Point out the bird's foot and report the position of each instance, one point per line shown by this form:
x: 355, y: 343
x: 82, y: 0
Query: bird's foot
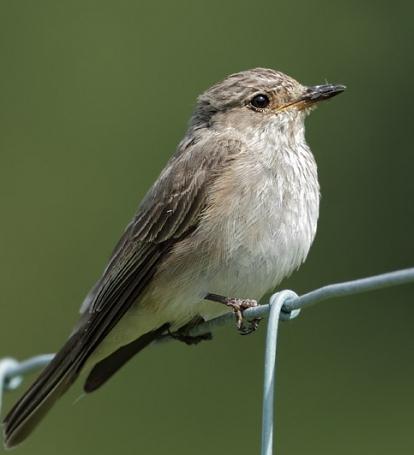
x: 238, y: 306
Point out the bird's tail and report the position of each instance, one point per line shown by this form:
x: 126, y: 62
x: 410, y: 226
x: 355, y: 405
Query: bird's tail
x: 54, y: 380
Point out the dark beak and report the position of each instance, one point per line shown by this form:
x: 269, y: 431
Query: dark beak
x: 321, y: 92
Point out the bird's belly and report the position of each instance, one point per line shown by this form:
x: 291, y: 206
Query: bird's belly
x: 253, y: 269
x: 260, y: 250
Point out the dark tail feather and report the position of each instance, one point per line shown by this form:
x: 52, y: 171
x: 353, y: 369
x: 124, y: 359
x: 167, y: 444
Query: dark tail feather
x: 59, y: 375
x: 54, y: 380
x: 107, y: 367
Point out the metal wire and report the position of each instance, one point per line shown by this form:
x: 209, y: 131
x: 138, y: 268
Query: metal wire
x: 284, y: 305
x: 276, y: 303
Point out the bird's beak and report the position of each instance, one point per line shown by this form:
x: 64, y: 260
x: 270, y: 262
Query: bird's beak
x: 320, y: 93
x: 314, y: 95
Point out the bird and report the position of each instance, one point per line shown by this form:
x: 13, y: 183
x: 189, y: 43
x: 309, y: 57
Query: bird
x: 233, y: 212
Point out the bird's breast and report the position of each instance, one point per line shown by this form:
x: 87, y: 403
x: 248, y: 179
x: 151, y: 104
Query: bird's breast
x: 261, y: 222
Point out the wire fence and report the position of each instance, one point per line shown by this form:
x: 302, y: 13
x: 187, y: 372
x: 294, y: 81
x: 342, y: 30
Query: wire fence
x: 283, y: 305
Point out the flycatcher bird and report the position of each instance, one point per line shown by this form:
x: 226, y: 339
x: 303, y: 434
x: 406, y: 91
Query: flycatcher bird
x: 233, y: 212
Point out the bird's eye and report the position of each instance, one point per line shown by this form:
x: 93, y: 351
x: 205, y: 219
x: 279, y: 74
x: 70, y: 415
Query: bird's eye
x: 260, y: 101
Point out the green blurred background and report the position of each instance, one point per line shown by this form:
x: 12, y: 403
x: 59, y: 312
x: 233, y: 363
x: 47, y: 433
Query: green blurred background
x: 94, y: 96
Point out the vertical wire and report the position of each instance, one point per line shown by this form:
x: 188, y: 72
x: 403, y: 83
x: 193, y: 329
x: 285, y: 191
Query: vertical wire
x: 268, y: 420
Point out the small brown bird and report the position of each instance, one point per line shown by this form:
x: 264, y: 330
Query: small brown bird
x: 233, y: 212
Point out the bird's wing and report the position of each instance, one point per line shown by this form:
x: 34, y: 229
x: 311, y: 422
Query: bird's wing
x: 168, y: 213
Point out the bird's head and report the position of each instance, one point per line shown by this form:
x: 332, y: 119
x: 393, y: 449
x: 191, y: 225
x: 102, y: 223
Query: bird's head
x: 253, y: 98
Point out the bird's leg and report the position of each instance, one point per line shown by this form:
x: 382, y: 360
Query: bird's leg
x: 182, y: 334
x: 238, y: 306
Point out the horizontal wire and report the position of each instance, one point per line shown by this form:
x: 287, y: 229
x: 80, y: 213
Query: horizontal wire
x: 293, y: 303
x: 318, y: 295
x: 11, y: 371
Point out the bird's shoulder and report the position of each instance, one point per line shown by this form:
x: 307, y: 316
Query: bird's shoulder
x: 174, y: 202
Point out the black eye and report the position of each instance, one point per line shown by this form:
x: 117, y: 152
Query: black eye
x: 260, y: 101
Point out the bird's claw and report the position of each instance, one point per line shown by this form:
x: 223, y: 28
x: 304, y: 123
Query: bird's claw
x: 238, y: 306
